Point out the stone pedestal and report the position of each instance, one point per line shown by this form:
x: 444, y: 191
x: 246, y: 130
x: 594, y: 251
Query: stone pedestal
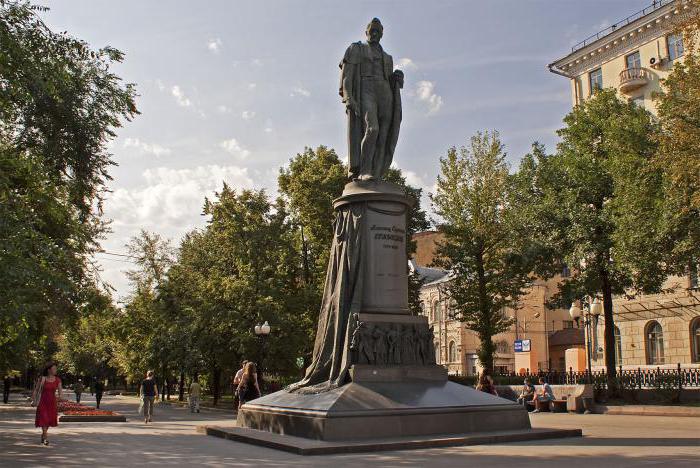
x: 385, y: 282
x: 392, y: 388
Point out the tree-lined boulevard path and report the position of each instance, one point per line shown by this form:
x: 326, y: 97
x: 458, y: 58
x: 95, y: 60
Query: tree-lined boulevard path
x: 610, y: 441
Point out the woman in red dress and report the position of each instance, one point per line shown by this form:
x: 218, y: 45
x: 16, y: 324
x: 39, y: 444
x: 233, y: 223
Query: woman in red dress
x: 45, y: 399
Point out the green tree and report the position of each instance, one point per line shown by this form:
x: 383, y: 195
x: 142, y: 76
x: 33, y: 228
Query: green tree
x: 242, y: 270
x: 60, y: 103
x: 490, y: 264
x: 145, y: 326
x: 678, y: 106
x: 596, y: 205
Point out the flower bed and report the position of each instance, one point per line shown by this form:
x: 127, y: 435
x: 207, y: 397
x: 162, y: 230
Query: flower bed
x: 76, y: 412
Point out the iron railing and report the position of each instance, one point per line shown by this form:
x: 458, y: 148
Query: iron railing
x: 634, y: 17
x: 630, y: 378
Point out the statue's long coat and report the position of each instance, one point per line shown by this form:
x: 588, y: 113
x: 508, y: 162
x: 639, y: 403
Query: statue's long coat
x: 357, y: 55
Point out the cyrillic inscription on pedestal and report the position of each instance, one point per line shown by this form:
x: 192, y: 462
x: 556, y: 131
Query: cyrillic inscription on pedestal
x: 385, y: 281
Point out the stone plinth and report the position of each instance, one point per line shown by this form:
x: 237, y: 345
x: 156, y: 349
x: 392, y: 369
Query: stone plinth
x: 385, y: 281
x: 374, y: 373
x: 385, y: 402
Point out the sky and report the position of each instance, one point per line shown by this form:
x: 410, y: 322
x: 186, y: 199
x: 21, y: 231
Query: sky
x: 231, y: 90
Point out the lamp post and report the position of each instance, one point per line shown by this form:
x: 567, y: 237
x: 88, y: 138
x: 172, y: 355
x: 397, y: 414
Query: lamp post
x: 262, y: 332
x: 590, y: 315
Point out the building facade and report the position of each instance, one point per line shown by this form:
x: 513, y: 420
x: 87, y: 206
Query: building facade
x: 538, y: 339
x: 633, y: 56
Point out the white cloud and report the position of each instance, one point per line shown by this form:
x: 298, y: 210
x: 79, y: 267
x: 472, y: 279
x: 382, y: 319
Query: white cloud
x: 247, y: 115
x: 150, y: 148
x: 252, y: 86
x: 425, y: 92
x: 257, y: 62
x: 180, y: 97
x: 268, y: 130
x: 232, y: 146
x: 406, y: 64
x: 214, y: 45
x: 171, y: 199
x: 223, y: 109
x: 160, y: 85
x: 300, y: 91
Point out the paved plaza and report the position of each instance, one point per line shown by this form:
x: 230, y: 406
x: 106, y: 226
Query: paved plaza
x: 614, y: 441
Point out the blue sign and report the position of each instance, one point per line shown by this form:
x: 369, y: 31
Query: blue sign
x: 521, y: 346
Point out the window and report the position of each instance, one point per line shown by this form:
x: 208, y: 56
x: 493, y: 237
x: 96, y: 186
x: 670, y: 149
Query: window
x: 655, y: 343
x: 633, y: 60
x: 452, y: 352
x: 674, y: 43
x: 595, y: 79
x: 618, y: 347
x: 568, y: 324
x: 438, y: 312
x: 695, y: 339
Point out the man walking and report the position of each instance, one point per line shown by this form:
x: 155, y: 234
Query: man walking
x: 149, y: 393
x: 78, y: 389
x: 7, y: 382
x: 99, y: 388
x: 195, y: 393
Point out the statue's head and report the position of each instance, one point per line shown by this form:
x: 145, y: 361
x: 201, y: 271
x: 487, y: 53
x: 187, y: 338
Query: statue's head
x: 374, y: 31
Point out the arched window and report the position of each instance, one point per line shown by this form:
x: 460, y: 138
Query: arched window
x: 695, y: 339
x: 618, y: 347
x: 438, y: 312
x: 438, y: 358
x: 452, y: 352
x: 655, y: 343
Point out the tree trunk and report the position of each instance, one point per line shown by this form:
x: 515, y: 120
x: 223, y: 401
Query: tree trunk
x: 216, y: 387
x: 486, y: 349
x: 165, y: 384
x: 181, y: 396
x: 609, y: 332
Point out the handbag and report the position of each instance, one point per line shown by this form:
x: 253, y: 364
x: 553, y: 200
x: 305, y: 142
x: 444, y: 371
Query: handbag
x: 141, y: 406
x: 38, y: 390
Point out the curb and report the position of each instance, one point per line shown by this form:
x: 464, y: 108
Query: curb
x: 649, y: 410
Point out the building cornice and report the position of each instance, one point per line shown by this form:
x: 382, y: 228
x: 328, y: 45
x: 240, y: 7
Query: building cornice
x: 623, y: 40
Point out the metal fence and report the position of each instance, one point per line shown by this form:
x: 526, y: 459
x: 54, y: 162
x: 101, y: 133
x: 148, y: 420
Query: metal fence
x: 680, y: 377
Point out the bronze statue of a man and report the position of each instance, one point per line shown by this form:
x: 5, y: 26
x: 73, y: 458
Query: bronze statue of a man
x: 370, y: 86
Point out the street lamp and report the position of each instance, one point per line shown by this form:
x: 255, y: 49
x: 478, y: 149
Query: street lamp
x: 590, y: 321
x: 262, y: 331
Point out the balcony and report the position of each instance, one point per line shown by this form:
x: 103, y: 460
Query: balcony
x: 633, y: 78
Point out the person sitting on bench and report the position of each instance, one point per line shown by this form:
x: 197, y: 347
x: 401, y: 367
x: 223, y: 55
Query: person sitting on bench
x: 526, y: 393
x: 543, y: 397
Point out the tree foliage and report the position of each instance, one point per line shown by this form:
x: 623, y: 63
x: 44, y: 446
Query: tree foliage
x: 678, y: 106
x: 596, y: 204
x: 490, y: 264
x: 60, y: 103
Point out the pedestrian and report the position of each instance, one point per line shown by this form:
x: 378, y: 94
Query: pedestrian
x: 248, y: 388
x: 99, y: 388
x: 239, y: 374
x: 543, y: 397
x: 44, y: 398
x: 78, y: 389
x: 486, y: 384
x: 7, y: 383
x: 149, y: 393
x: 194, y: 395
